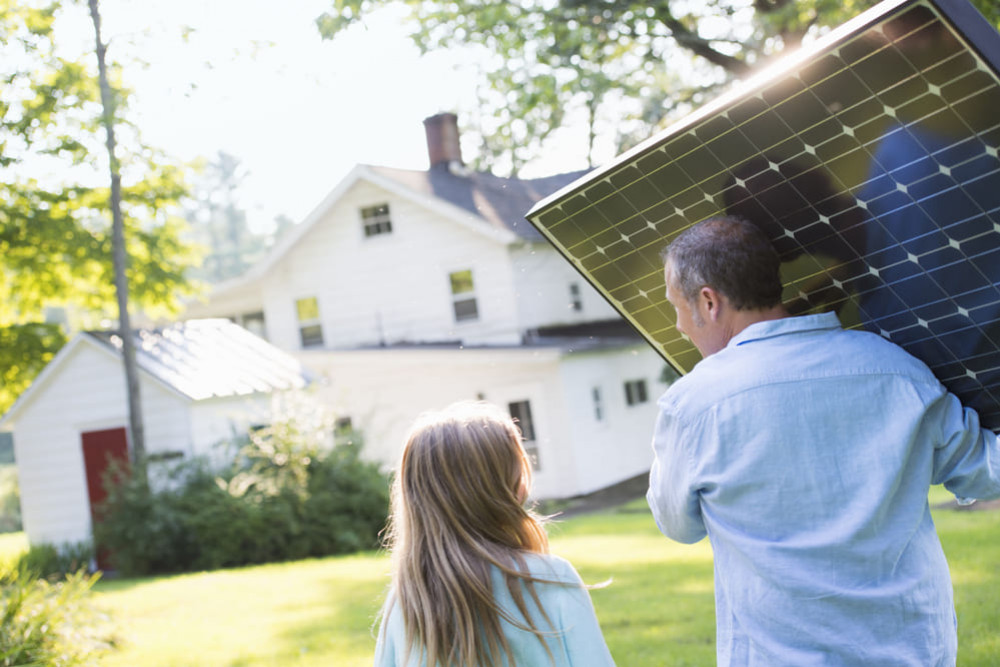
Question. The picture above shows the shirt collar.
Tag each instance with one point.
(785, 325)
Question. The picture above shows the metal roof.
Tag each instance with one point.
(211, 358)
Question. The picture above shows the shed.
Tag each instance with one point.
(201, 382)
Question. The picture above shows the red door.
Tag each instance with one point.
(99, 449)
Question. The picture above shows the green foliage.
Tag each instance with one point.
(49, 623)
(625, 66)
(285, 497)
(10, 499)
(49, 561)
(54, 221)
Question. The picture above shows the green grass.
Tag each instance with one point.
(12, 545)
(658, 609)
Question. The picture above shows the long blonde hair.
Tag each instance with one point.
(458, 510)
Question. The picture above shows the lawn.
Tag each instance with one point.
(658, 609)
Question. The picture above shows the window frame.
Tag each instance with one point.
(309, 323)
(575, 298)
(375, 221)
(526, 424)
(636, 392)
(463, 298)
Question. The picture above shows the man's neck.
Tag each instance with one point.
(741, 319)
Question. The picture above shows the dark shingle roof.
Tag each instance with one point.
(502, 202)
(211, 358)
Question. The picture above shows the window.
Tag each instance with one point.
(520, 411)
(595, 393)
(375, 220)
(463, 296)
(310, 329)
(344, 433)
(254, 323)
(635, 392)
(575, 300)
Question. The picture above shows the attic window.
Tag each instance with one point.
(375, 220)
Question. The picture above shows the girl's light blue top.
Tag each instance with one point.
(576, 637)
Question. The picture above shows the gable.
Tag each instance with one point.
(361, 175)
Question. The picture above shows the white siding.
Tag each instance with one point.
(388, 288)
(619, 446)
(87, 394)
(231, 302)
(542, 280)
(222, 420)
(383, 391)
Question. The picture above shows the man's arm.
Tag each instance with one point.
(967, 458)
(673, 496)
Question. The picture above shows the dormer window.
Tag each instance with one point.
(375, 220)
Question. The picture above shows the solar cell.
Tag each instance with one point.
(870, 160)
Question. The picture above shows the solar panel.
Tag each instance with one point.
(871, 162)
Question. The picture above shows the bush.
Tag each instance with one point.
(286, 496)
(50, 561)
(49, 623)
(10, 500)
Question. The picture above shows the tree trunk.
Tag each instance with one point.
(119, 260)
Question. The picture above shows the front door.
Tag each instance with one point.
(99, 449)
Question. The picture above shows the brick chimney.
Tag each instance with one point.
(443, 140)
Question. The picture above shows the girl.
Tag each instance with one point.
(473, 583)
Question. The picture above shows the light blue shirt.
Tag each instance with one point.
(575, 639)
(805, 453)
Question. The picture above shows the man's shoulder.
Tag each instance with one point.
(790, 359)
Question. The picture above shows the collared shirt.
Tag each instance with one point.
(805, 453)
(574, 639)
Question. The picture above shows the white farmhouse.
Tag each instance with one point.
(201, 383)
(408, 290)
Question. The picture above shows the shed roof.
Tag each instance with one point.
(211, 358)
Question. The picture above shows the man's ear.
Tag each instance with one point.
(710, 302)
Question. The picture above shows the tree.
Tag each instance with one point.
(55, 238)
(119, 257)
(553, 59)
(219, 224)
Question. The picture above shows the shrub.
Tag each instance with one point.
(10, 500)
(50, 561)
(286, 496)
(49, 623)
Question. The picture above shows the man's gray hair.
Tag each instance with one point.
(730, 255)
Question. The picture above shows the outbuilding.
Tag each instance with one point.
(202, 382)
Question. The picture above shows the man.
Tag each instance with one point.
(805, 453)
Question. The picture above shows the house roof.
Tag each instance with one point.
(211, 358)
(468, 197)
(503, 202)
(197, 359)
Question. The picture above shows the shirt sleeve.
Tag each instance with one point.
(583, 641)
(673, 494)
(967, 457)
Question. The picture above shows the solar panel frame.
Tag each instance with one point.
(817, 128)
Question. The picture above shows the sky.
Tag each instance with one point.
(254, 78)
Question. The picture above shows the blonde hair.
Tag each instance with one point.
(458, 510)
